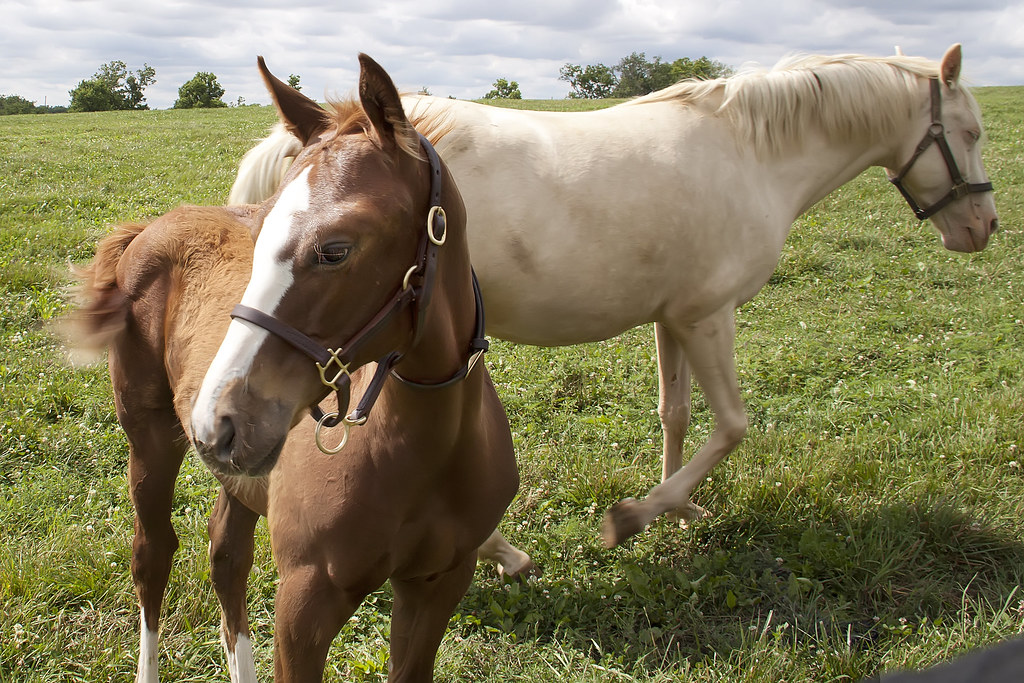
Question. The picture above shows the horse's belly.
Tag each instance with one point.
(553, 310)
(552, 325)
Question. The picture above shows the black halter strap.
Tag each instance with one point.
(936, 134)
(415, 291)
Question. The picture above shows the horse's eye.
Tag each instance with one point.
(332, 254)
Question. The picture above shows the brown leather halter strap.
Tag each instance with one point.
(415, 291)
(936, 133)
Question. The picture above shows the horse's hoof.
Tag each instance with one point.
(688, 512)
(620, 522)
(528, 572)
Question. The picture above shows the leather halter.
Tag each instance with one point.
(415, 291)
(936, 133)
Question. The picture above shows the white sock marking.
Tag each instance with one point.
(241, 664)
(148, 641)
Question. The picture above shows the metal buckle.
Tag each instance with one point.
(473, 360)
(342, 370)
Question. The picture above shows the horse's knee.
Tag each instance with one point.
(227, 566)
(733, 429)
(152, 549)
(676, 416)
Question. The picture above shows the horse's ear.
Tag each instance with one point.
(950, 69)
(303, 117)
(383, 105)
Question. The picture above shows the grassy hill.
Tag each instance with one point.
(871, 520)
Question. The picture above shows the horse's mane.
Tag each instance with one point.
(846, 96)
(349, 117)
(101, 272)
(102, 312)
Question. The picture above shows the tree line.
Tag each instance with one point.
(633, 76)
(114, 87)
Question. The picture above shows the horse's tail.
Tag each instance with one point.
(263, 167)
(103, 313)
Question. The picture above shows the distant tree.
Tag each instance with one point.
(202, 92)
(135, 84)
(593, 81)
(504, 90)
(14, 104)
(703, 68)
(94, 95)
(113, 87)
(293, 81)
(635, 75)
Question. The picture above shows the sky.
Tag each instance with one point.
(460, 47)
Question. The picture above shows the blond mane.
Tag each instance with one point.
(845, 96)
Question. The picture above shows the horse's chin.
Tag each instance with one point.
(250, 468)
(964, 240)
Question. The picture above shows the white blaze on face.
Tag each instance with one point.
(270, 280)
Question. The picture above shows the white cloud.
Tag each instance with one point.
(459, 47)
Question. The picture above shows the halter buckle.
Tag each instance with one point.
(473, 360)
(342, 370)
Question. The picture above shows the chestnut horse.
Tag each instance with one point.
(420, 485)
(673, 209)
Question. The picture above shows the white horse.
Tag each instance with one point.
(673, 208)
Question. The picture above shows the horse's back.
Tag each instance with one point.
(610, 208)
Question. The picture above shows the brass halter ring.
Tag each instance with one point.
(437, 212)
(408, 275)
(344, 437)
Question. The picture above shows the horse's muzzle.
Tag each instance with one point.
(235, 447)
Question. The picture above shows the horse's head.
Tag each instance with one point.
(941, 174)
(335, 251)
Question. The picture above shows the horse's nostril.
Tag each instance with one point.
(225, 439)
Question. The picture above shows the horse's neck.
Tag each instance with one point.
(809, 174)
(448, 325)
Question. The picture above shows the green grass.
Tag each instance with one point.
(870, 520)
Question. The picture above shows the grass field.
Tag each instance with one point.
(870, 521)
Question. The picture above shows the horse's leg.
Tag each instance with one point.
(513, 563)
(156, 448)
(231, 530)
(419, 618)
(673, 398)
(309, 610)
(709, 349)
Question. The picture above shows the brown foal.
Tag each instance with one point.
(361, 265)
